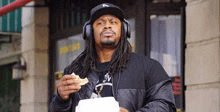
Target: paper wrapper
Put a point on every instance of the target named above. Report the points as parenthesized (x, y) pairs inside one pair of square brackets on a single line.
[(105, 104)]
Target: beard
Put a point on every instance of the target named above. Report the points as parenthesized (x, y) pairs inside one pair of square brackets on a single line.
[(108, 43)]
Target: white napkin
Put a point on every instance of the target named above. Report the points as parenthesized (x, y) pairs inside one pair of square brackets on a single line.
[(104, 104)]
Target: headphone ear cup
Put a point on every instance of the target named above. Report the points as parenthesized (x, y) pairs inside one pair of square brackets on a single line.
[(87, 30), (127, 28)]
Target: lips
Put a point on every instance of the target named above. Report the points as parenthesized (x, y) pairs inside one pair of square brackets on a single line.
[(107, 33)]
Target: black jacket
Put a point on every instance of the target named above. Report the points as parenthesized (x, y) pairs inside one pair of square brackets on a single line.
[(143, 87)]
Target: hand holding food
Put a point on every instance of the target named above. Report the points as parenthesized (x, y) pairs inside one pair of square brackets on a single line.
[(70, 84)]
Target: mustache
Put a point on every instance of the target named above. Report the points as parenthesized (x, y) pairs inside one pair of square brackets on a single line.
[(105, 31)]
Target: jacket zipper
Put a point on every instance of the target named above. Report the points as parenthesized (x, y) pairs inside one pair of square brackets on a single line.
[(112, 87)]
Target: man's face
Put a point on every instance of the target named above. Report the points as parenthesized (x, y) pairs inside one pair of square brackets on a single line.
[(107, 31)]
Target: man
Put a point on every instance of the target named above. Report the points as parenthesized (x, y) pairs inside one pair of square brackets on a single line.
[(137, 82)]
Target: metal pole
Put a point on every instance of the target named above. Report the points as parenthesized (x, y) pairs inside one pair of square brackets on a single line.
[(13, 6)]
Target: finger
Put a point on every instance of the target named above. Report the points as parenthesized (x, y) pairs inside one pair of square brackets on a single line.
[(73, 91), (120, 109), (67, 93), (70, 91), (74, 87), (74, 81), (65, 77), (60, 84), (63, 90), (65, 97), (70, 82), (69, 87), (63, 93), (123, 109), (66, 82)]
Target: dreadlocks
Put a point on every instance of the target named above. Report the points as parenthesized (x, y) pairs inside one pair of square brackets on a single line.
[(88, 59)]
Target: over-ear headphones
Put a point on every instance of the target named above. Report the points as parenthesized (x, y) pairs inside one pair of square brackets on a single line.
[(87, 29)]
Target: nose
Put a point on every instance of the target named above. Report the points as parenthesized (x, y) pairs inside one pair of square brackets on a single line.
[(107, 25)]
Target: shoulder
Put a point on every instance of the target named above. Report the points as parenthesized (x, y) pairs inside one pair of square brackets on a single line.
[(145, 62), (154, 71), (142, 56), (138, 57)]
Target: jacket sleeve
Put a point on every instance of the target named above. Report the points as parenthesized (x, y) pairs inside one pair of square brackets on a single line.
[(160, 98), (159, 93), (58, 104)]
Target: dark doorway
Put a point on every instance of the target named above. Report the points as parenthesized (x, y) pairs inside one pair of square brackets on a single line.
[(9, 90)]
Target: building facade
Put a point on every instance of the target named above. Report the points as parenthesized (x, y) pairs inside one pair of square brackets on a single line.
[(10, 53), (183, 35)]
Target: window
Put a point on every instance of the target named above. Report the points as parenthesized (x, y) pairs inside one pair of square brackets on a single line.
[(166, 48), (165, 42), (165, 39), (10, 22)]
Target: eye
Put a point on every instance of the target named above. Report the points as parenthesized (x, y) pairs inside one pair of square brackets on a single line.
[(113, 22), (100, 23)]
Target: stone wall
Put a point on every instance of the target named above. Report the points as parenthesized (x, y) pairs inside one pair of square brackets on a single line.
[(202, 56), (35, 38)]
